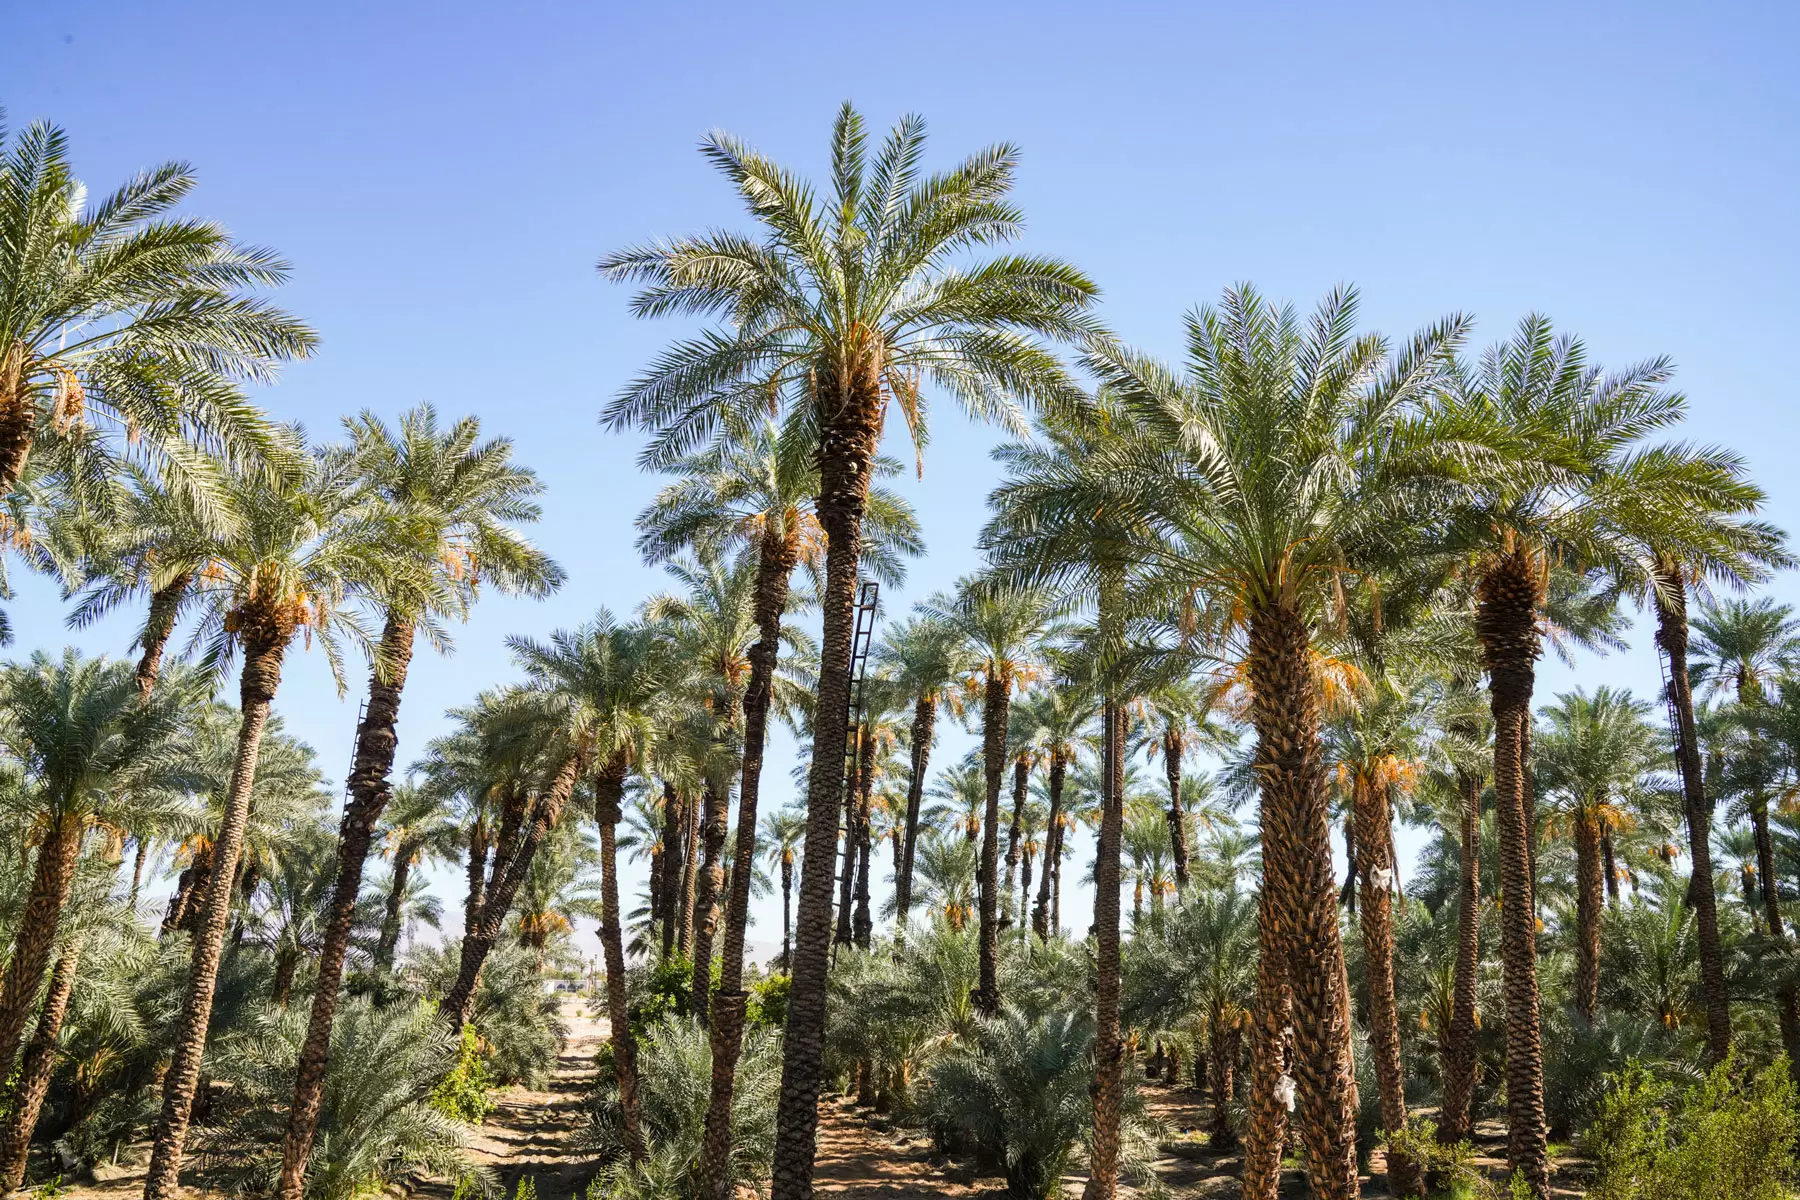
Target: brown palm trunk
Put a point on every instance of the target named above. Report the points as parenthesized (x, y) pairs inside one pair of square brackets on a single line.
[(711, 887), (1219, 1061), (787, 913), (1672, 634), (1040, 914), (996, 708), (1265, 1139), (851, 407), (502, 887), (369, 793), (1459, 1060), (923, 725), (51, 880), (477, 873), (18, 417), (26, 1099), (1352, 866), (690, 875), (776, 558), (609, 791), (1109, 1046), (862, 925), (265, 642), (389, 943), (139, 860), (1506, 622), (165, 606), (281, 985), (1297, 870), (1374, 820), (1589, 895), (673, 857), (1174, 746), (1015, 834)]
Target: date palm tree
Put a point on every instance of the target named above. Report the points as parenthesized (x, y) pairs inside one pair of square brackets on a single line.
[(835, 307), (1002, 627), (301, 551), (1586, 491), (120, 321), (1286, 457), (1183, 708), (453, 503), (419, 826), (608, 683)]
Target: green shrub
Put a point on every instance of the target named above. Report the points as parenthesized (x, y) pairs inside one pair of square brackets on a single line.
[(463, 1092), (1728, 1137), (1451, 1169), (767, 1006), (665, 988)]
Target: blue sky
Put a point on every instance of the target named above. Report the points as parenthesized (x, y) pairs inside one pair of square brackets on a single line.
[(443, 177)]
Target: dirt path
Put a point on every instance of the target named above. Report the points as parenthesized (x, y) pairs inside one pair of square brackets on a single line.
[(532, 1133), (859, 1159)]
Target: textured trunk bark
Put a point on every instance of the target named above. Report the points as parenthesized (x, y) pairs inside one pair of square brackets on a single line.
[(1589, 896), (711, 887), (1109, 1046), (51, 880), (544, 814), (139, 860), (1174, 746), (1506, 622), (264, 645), (165, 606), (1609, 869), (1352, 866), (281, 984), (923, 725), (690, 875), (1265, 1139), (389, 944), (673, 857), (609, 792), (369, 793), (995, 709), (18, 418), (1375, 821), (1040, 916), (851, 404), (1015, 833), (1219, 1060), (776, 557), (477, 873), (847, 877), (1672, 635), (1459, 1062), (1284, 711), (25, 1099), (862, 924), (787, 915)]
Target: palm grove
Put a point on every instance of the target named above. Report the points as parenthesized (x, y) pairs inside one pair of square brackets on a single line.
[(1324, 562)]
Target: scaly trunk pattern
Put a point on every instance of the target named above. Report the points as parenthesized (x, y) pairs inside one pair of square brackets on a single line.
[(1589, 895), (1374, 820), (389, 944), (1174, 746), (1109, 1047), (1015, 833), (51, 880), (1459, 1062), (996, 708), (1040, 914), (609, 792), (923, 725), (712, 884), (25, 1099)]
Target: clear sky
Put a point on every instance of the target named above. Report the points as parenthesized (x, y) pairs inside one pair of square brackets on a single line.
[(443, 177)]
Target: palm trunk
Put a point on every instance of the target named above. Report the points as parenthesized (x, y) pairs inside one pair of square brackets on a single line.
[(609, 791), (165, 606), (1040, 915), (264, 645), (690, 875), (1609, 869), (281, 985), (1109, 1046), (1025, 866), (369, 792), (1015, 833), (1506, 622), (1374, 820), (477, 873), (1352, 867), (862, 923), (1589, 895), (1297, 870), (850, 427), (673, 858), (853, 791), (502, 887), (775, 563), (1672, 634), (389, 943), (18, 417), (1218, 1060), (787, 914), (1266, 1137), (1174, 746), (711, 886), (995, 710), (924, 722), (1459, 1061), (139, 860), (26, 1099), (51, 881)]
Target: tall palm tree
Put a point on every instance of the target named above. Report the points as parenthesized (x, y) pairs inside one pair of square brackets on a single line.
[(452, 502), (922, 658), (1593, 754), (1583, 490), (1002, 626), (94, 749), (1183, 709), (122, 313), (300, 552), (418, 826), (782, 834), (608, 682), (1060, 715), (1284, 458), (837, 306)]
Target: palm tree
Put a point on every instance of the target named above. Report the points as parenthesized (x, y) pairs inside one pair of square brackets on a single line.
[(922, 658), (1283, 459), (299, 552), (451, 502), (418, 826), (122, 312), (782, 834), (1584, 491), (608, 683), (1060, 714), (1593, 755), (95, 751), (1184, 709), (838, 306)]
